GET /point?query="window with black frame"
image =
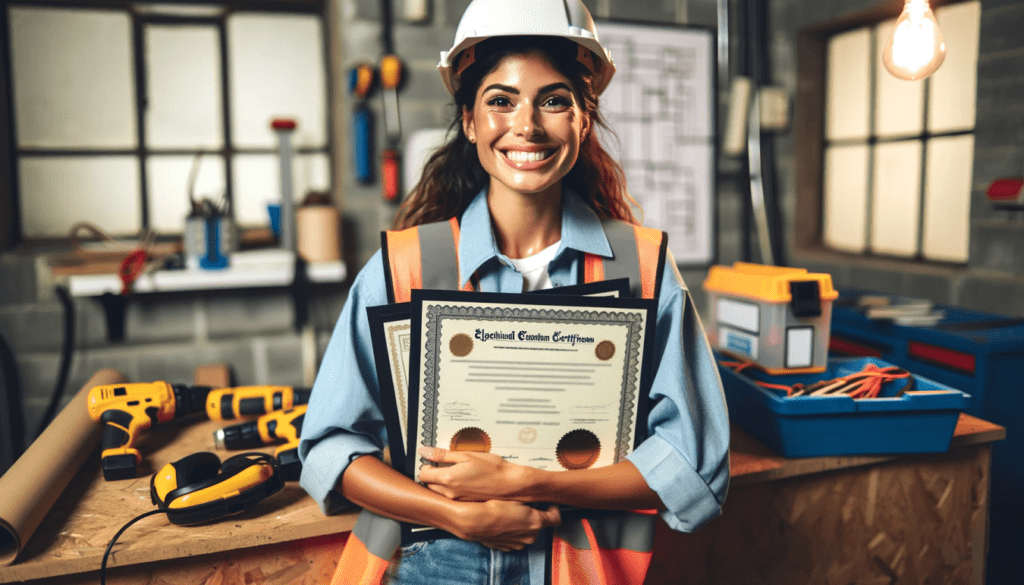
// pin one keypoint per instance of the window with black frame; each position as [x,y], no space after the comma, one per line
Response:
[126,115]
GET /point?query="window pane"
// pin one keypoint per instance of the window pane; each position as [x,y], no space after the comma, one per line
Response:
[899,104]
[168,188]
[58,192]
[896,198]
[184,87]
[947,198]
[953,88]
[72,73]
[257,182]
[276,70]
[848,87]
[846,194]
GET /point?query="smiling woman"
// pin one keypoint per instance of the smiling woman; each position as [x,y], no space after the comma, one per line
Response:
[531,200]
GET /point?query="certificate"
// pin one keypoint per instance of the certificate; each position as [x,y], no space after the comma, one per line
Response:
[391,335]
[549,381]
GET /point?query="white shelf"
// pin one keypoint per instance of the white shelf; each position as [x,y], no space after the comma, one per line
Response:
[249,269]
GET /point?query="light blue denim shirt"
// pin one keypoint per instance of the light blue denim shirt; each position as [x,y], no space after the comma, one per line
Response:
[685,458]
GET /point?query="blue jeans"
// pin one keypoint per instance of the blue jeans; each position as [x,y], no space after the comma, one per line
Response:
[451,561]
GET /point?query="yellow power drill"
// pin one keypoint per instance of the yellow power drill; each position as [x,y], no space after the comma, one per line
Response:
[128,409]
[271,427]
[239,401]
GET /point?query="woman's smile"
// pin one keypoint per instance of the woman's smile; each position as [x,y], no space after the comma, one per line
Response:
[521,159]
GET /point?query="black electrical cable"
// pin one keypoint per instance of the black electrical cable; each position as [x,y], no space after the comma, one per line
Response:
[12,434]
[106,553]
[67,352]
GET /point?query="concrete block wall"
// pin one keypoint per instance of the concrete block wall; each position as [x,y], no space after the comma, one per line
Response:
[993,279]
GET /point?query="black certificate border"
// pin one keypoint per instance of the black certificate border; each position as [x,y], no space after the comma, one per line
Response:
[541,302]
[379,317]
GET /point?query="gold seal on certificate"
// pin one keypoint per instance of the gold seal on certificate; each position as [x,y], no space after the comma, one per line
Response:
[471,439]
[554,382]
[578,449]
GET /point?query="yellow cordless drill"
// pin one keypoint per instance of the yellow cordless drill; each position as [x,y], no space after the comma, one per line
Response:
[271,427]
[231,403]
[128,409]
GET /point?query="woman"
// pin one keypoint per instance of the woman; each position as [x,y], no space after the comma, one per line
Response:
[527,178]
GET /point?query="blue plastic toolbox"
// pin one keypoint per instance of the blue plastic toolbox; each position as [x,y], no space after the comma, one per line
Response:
[921,420]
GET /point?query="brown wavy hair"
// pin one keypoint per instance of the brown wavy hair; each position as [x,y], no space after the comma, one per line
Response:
[453,175]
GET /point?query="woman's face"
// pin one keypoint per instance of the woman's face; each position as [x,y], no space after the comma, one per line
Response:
[527,124]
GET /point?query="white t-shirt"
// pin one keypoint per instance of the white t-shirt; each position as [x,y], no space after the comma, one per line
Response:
[535,268]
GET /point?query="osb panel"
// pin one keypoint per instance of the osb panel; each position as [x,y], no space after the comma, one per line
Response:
[307,562]
[915,520]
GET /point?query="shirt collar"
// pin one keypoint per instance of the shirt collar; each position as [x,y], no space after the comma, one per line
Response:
[581,231]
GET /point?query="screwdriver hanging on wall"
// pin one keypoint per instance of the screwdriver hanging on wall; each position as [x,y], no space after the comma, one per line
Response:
[360,84]
[390,78]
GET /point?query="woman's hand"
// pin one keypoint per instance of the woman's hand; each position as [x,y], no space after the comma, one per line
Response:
[504,525]
[476,477]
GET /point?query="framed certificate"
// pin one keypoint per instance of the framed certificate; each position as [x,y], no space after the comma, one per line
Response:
[391,334]
[550,381]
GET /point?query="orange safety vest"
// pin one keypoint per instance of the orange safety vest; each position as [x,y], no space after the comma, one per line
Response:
[609,547]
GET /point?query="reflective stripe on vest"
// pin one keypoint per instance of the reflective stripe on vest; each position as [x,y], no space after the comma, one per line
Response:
[609,548]
[638,253]
[368,550]
[421,257]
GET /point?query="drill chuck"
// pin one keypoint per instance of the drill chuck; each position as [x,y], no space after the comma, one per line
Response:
[241,436]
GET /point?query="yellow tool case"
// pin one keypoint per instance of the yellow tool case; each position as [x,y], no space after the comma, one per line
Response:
[774,316]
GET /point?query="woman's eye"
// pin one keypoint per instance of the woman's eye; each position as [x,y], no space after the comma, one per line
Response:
[557,101]
[499,101]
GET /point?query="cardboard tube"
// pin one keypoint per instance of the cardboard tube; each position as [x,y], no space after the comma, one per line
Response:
[32,485]
[319,233]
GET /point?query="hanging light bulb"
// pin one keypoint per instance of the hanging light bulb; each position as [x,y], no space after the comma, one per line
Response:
[916,48]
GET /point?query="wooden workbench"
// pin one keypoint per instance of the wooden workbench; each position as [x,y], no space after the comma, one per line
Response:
[922,518]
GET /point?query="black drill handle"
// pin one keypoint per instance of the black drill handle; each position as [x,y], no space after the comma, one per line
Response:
[290,464]
[115,435]
[115,423]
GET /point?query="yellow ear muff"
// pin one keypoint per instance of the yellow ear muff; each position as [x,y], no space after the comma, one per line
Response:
[198,488]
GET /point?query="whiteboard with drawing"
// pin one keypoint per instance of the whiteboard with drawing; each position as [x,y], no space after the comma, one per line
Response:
[660,105]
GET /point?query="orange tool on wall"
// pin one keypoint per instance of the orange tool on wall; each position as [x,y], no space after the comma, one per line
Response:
[390,80]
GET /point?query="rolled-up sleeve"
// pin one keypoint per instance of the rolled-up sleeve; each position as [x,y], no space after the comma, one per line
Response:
[344,420]
[685,458]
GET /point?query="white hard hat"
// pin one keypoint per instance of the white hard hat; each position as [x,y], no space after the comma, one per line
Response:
[568,19]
